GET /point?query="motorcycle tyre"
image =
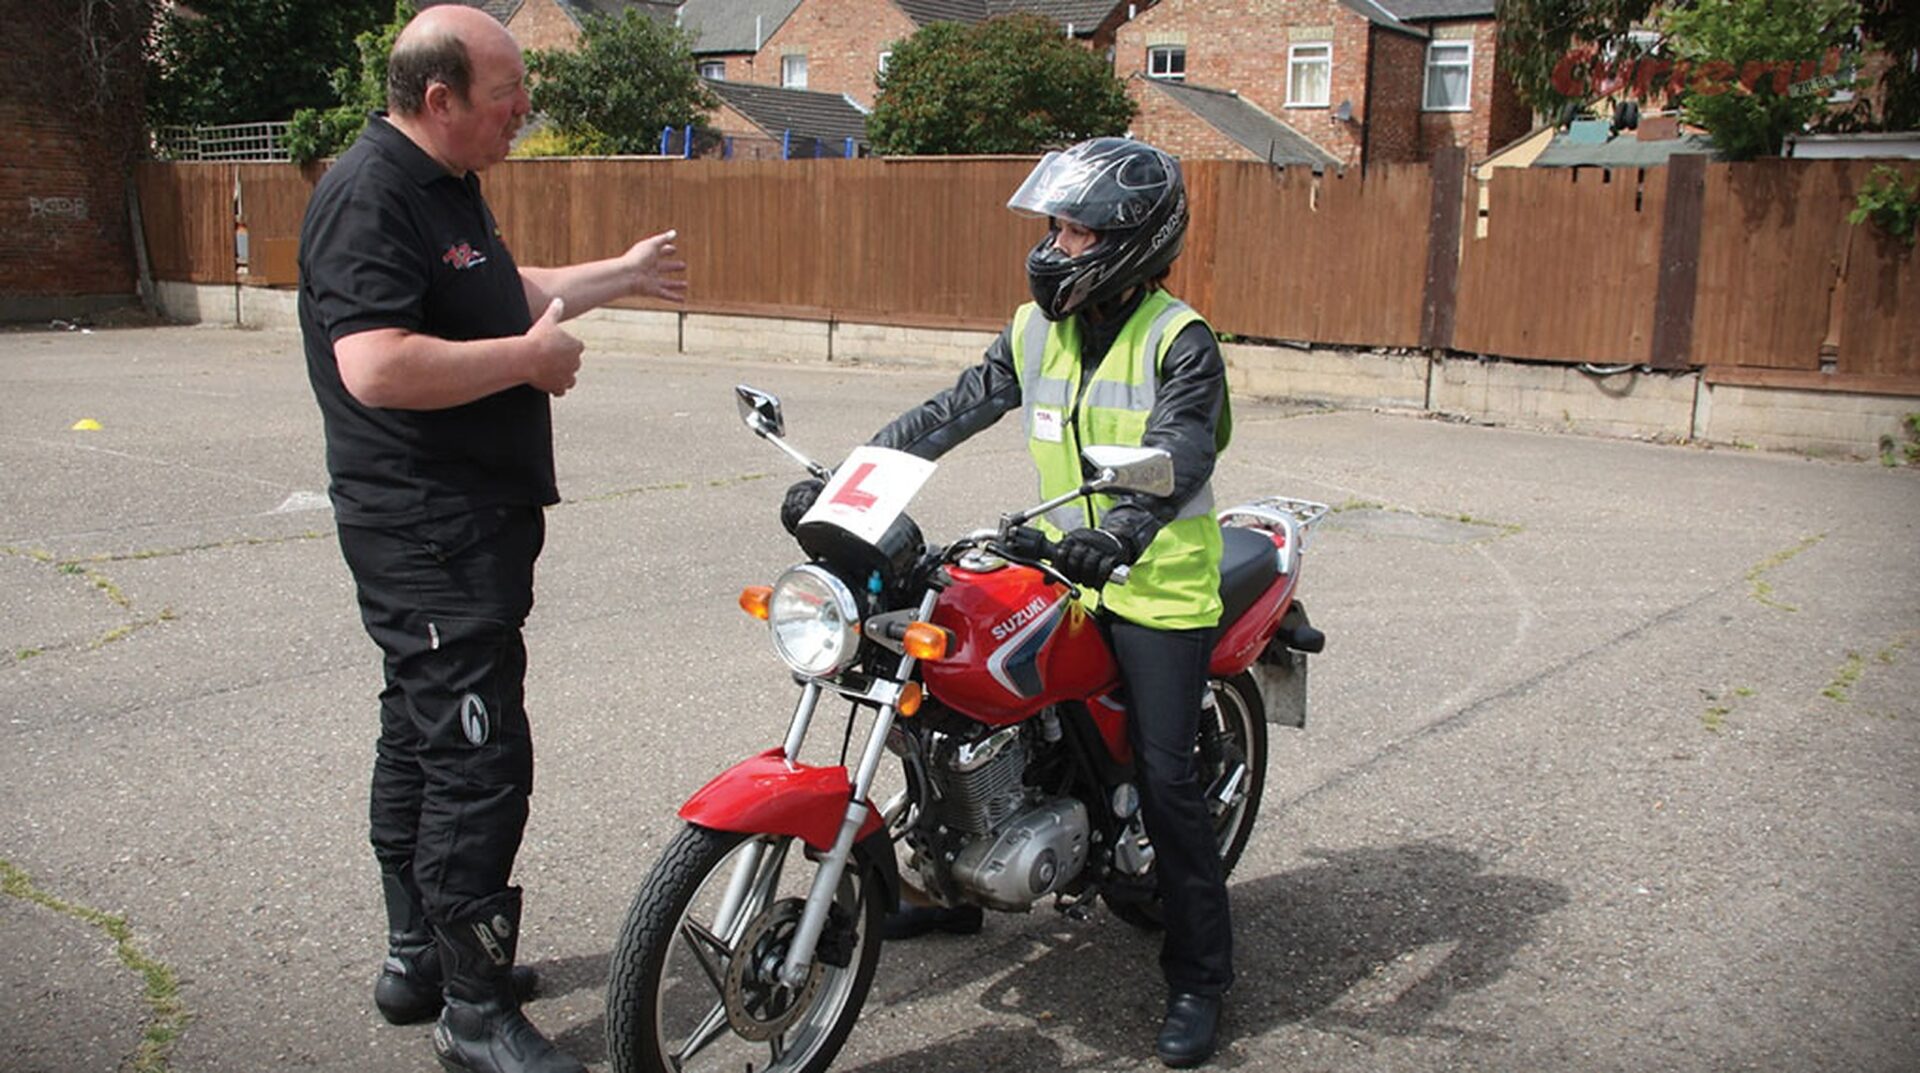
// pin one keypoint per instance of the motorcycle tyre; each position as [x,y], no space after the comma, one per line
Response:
[1141,908]
[652,921]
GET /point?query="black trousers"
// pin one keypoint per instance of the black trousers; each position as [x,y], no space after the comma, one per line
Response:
[445,600]
[1165,673]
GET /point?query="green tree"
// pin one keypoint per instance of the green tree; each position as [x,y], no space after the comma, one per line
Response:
[629,78]
[359,89]
[241,61]
[1761,69]
[1547,46]
[1007,85]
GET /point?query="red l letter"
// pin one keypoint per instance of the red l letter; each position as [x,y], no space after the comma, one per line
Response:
[850,493]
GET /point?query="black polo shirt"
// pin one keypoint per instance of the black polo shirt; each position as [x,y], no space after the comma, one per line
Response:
[392,240]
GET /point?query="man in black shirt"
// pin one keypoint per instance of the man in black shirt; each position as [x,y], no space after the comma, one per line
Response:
[434,376]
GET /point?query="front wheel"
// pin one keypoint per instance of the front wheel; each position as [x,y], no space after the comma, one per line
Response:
[1231,756]
[694,980]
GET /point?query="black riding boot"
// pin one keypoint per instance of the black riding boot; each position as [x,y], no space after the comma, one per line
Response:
[408,990]
[482,1030]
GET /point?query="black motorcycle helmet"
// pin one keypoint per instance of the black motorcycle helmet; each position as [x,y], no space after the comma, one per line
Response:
[1128,192]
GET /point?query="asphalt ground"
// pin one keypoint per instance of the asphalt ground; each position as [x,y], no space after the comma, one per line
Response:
[1612,761]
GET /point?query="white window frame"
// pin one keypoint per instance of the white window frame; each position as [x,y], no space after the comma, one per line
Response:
[886,60]
[789,64]
[1160,62]
[714,69]
[1427,82]
[1295,61]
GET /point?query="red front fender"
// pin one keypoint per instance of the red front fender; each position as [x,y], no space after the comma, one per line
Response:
[770,795]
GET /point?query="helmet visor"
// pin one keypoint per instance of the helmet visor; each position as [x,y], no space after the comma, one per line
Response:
[1091,189]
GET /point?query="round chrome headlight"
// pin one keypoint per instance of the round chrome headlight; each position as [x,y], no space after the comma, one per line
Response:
[815,620]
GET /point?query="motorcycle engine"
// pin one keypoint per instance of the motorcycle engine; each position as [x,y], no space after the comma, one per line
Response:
[1012,851]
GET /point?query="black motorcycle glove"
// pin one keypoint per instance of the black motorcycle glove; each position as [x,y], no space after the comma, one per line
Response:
[1089,556]
[799,500]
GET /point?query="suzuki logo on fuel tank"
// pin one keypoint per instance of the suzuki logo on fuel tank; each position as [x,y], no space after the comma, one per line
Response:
[1005,628]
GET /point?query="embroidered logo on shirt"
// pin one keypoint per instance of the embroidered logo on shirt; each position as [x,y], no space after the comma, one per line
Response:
[463,256]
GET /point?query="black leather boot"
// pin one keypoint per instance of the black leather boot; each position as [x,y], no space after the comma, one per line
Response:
[1187,1035]
[481,1029]
[408,989]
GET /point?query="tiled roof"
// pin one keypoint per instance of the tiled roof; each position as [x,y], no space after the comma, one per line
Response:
[831,117]
[1247,124]
[1375,11]
[579,10]
[1425,10]
[733,25]
[923,12]
[501,10]
[1084,16]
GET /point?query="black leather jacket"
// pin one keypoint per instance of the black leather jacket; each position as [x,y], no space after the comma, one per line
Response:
[1184,420]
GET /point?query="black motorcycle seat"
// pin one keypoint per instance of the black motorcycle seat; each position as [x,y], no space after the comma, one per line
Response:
[1248,564]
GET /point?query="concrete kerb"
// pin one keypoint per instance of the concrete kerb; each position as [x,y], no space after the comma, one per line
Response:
[1632,403]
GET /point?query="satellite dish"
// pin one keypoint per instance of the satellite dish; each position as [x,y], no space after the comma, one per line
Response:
[1344,113]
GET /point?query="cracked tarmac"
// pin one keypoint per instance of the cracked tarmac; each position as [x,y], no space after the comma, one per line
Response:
[1612,762]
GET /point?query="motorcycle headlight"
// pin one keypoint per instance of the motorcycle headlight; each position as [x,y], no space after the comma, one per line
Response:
[815,620]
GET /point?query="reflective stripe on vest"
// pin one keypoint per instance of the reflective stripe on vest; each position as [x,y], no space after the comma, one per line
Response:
[1175,584]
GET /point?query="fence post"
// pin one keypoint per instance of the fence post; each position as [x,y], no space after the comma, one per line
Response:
[1440,302]
[1679,279]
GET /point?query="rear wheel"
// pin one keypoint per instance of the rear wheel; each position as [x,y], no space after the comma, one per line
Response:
[694,980]
[1231,753]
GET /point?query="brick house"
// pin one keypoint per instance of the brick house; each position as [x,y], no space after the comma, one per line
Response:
[841,46]
[1366,81]
[556,24]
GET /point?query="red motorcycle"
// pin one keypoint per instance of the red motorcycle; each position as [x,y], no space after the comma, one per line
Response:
[753,941]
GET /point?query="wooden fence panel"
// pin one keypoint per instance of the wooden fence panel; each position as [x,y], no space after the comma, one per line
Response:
[273,200]
[186,211]
[1323,259]
[1770,243]
[926,241]
[1879,314]
[1568,268]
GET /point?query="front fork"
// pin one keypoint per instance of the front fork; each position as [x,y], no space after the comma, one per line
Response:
[832,863]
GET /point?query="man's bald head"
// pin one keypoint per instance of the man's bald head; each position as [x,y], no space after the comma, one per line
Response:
[439,45]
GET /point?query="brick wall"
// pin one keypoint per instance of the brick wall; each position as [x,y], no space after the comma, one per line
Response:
[1394,133]
[1244,46]
[1497,117]
[65,162]
[540,24]
[842,40]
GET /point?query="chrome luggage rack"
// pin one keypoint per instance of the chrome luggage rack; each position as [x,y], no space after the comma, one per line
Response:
[1293,518]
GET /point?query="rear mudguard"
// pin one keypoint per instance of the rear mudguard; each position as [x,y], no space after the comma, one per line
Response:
[771,795]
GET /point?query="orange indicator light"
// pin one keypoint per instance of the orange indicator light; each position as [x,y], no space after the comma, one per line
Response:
[924,641]
[754,600]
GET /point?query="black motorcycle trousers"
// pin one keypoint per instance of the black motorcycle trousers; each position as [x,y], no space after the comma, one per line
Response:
[1166,674]
[445,600]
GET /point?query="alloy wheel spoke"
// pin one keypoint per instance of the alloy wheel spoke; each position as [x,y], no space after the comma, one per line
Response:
[710,1028]
[709,951]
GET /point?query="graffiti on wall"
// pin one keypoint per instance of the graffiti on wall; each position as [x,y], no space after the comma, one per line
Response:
[57,208]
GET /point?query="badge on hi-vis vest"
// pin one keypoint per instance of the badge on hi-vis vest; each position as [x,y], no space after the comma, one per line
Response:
[1047,425]
[870,489]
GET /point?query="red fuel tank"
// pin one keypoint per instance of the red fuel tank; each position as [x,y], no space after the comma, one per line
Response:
[1020,643]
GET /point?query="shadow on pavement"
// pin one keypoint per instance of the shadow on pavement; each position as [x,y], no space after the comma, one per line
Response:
[1311,945]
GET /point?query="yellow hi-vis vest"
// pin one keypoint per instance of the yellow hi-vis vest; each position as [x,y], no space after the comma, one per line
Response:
[1175,584]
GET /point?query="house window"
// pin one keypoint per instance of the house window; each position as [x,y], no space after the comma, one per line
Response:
[793,72]
[886,61]
[1168,62]
[714,69]
[1449,76]
[1309,75]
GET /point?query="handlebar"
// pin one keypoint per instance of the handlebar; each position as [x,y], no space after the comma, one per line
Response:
[1025,542]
